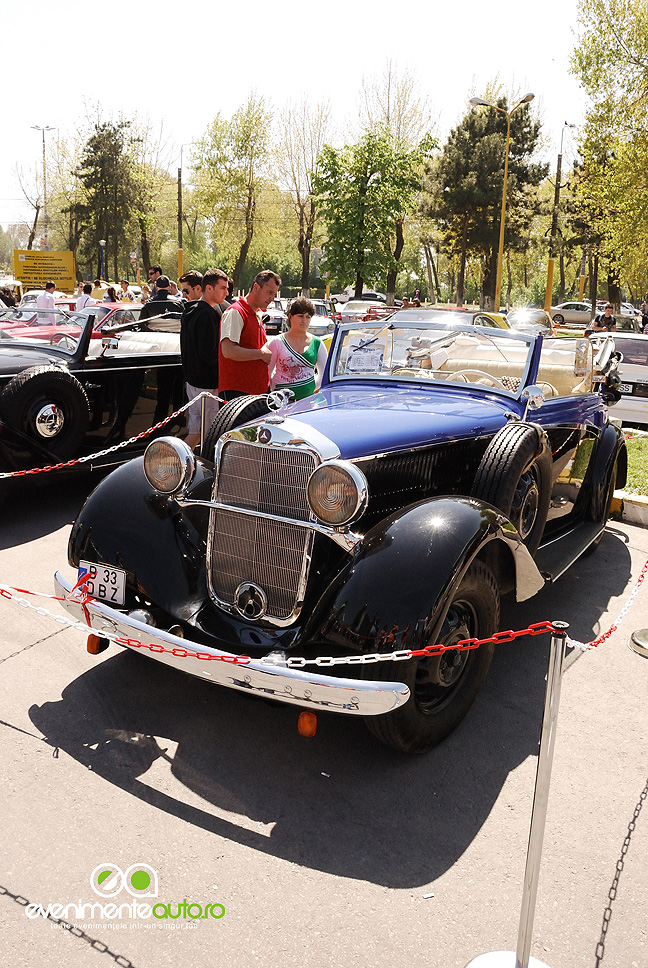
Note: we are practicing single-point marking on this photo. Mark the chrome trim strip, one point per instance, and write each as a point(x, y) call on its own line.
point(345, 539)
point(354, 697)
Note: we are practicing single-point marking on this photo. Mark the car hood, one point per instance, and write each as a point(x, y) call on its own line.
point(364, 420)
point(15, 357)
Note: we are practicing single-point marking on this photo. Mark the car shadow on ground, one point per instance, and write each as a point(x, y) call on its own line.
point(340, 802)
point(35, 506)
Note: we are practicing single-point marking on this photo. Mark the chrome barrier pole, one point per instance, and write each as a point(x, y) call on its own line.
point(203, 407)
point(520, 958)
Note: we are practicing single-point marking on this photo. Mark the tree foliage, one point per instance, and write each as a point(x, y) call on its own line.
point(364, 190)
point(464, 187)
point(230, 168)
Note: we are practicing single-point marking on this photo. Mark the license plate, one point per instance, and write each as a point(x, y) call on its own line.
point(106, 584)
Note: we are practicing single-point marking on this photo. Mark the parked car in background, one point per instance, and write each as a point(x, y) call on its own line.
point(357, 309)
point(29, 298)
point(52, 325)
point(451, 317)
point(274, 320)
point(632, 408)
point(82, 395)
point(571, 313)
point(435, 471)
point(529, 320)
point(323, 322)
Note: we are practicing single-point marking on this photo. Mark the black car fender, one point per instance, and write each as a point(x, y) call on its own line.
point(611, 447)
point(407, 566)
point(127, 524)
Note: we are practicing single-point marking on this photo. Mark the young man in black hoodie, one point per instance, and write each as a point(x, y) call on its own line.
point(199, 339)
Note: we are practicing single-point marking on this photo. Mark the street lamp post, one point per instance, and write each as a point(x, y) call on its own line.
point(37, 127)
point(554, 224)
point(180, 253)
point(475, 101)
point(102, 243)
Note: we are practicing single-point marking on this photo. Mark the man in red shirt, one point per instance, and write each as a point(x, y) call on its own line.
point(244, 356)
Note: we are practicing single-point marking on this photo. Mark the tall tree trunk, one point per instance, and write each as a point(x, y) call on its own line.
point(614, 287)
point(433, 278)
point(247, 241)
point(462, 264)
point(509, 282)
point(32, 233)
point(146, 248)
point(593, 274)
point(490, 282)
point(561, 289)
point(392, 275)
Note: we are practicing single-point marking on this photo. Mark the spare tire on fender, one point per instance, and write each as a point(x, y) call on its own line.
point(515, 476)
point(234, 414)
point(49, 406)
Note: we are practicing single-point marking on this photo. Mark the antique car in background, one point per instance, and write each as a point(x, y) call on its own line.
point(83, 394)
point(436, 470)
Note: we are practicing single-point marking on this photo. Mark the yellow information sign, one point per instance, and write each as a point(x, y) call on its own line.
point(35, 268)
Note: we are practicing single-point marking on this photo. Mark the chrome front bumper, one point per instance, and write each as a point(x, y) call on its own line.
point(356, 697)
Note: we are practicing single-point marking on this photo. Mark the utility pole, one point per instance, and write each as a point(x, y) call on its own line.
point(36, 127)
point(554, 224)
point(180, 260)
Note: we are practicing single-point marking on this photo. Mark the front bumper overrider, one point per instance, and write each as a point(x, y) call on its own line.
point(308, 690)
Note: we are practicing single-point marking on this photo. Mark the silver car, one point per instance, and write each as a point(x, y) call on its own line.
point(572, 312)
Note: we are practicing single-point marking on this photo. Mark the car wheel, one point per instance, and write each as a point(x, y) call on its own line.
point(558, 318)
point(49, 406)
point(600, 511)
point(442, 687)
point(233, 414)
point(515, 476)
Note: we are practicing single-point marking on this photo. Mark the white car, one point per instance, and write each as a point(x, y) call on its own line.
point(632, 408)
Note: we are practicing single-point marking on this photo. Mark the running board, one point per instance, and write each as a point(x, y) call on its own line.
point(555, 557)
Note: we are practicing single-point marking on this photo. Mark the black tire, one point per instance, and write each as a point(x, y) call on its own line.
point(600, 510)
point(234, 414)
point(26, 399)
point(558, 319)
point(442, 688)
point(515, 476)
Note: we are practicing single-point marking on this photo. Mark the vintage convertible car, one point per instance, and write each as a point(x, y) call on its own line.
point(436, 470)
point(83, 395)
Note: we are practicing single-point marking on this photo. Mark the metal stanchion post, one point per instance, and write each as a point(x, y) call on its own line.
point(203, 405)
point(520, 958)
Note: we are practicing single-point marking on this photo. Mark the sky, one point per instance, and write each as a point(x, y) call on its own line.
point(179, 65)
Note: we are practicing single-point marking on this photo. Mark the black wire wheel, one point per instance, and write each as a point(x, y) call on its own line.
point(442, 687)
point(234, 414)
point(49, 406)
point(515, 476)
point(599, 511)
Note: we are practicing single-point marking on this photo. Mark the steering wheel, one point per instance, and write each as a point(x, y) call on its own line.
point(64, 340)
point(463, 374)
point(544, 386)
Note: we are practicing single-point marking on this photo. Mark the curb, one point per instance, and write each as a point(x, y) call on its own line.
point(632, 508)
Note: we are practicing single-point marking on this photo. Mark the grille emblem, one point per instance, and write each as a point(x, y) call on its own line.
point(251, 600)
point(264, 436)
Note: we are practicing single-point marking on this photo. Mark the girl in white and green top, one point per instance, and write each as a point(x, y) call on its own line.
point(298, 358)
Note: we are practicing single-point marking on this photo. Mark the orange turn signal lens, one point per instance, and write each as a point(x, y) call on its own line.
point(307, 724)
point(96, 644)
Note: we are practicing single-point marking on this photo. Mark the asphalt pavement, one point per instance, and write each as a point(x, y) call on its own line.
point(331, 851)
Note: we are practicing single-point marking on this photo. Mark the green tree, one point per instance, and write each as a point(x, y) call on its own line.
point(611, 61)
point(110, 190)
point(463, 189)
point(230, 168)
point(364, 190)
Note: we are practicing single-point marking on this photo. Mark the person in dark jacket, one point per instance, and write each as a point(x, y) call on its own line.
point(199, 339)
point(162, 302)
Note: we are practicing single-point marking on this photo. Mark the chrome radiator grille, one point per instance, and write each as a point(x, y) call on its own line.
point(251, 548)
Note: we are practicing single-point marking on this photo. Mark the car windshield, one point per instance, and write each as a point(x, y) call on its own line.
point(18, 318)
point(99, 313)
point(430, 352)
point(633, 350)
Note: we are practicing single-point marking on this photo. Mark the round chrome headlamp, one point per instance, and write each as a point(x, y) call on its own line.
point(337, 493)
point(168, 464)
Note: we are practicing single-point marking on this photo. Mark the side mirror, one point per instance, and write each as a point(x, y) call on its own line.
point(533, 397)
point(110, 343)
